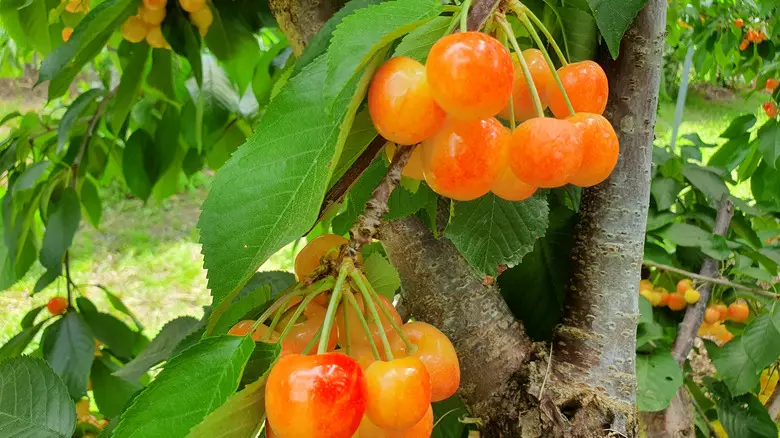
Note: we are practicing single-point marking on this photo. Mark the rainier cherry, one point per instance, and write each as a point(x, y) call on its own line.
point(134, 29)
point(772, 84)
point(508, 186)
point(400, 102)
point(722, 311)
point(546, 152)
point(423, 429)
point(738, 311)
point(586, 85)
point(711, 315)
point(464, 158)
point(241, 328)
point(739, 23)
point(521, 94)
point(57, 305)
point(692, 296)
point(684, 285)
point(309, 258)
point(305, 328)
point(676, 302)
point(414, 167)
point(316, 396)
point(435, 350)
point(600, 149)
point(399, 393)
point(470, 75)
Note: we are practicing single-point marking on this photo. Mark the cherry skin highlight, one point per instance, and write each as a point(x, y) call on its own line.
point(600, 149)
point(545, 152)
point(463, 159)
point(521, 94)
point(438, 355)
point(400, 102)
point(323, 396)
point(470, 75)
point(414, 167)
point(399, 393)
point(586, 85)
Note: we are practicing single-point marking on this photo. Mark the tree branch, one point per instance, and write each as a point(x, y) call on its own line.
point(88, 135)
point(773, 404)
point(714, 280)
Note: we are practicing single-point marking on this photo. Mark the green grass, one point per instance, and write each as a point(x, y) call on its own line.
point(149, 255)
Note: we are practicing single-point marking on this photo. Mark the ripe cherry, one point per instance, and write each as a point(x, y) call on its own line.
point(305, 328)
point(356, 334)
point(676, 302)
point(323, 395)
point(546, 152)
point(508, 186)
point(711, 315)
point(586, 85)
point(66, 33)
point(309, 258)
point(470, 75)
point(155, 38)
point(645, 284)
point(400, 102)
point(664, 296)
point(770, 109)
point(189, 5)
point(684, 285)
point(600, 149)
point(521, 94)
point(202, 18)
point(414, 167)
point(744, 45)
point(436, 351)
point(772, 84)
point(155, 4)
point(692, 296)
point(134, 29)
point(463, 159)
point(739, 23)
point(722, 311)
point(423, 429)
point(152, 17)
point(738, 311)
point(399, 393)
point(77, 6)
point(241, 328)
point(57, 305)
point(269, 431)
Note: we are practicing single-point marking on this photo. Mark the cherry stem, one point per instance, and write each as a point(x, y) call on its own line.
point(521, 9)
point(312, 341)
point(281, 311)
point(513, 122)
point(371, 305)
point(524, 65)
point(410, 346)
point(464, 15)
point(353, 302)
point(347, 340)
point(335, 298)
point(293, 290)
point(301, 307)
point(535, 36)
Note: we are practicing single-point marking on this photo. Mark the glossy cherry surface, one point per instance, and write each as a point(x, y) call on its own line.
point(399, 393)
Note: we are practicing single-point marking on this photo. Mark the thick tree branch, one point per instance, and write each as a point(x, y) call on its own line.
point(714, 280)
point(773, 404)
point(300, 20)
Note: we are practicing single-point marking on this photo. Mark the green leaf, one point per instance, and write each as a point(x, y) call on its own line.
point(27, 23)
point(743, 415)
point(490, 231)
point(382, 275)
point(139, 164)
point(764, 184)
point(119, 305)
point(16, 345)
point(535, 289)
point(580, 33)
point(739, 126)
point(761, 339)
point(418, 42)
point(130, 84)
point(160, 349)
point(160, 76)
point(33, 401)
point(90, 199)
point(658, 379)
point(112, 332)
point(734, 366)
point(111, 392)
point(29, 178)
point(73, 113)
point(446, 418)
point(665, 191)
point(265, 197)
point(613, 18)
point(62, 226)
point(362, 34)
point(769, 142)
point(260, 362)
point(88, 39)
point(242, 415)
point(69, 347)
point(241, 306)
point(706, 182)
point(184, 40)
point(192, 385)
point(732, 153)
point(29, 318)
point(360, 136)
point(685, 235)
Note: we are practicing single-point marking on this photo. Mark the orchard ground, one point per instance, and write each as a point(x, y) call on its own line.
point(150, 257)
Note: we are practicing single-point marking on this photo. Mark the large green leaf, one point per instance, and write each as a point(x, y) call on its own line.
point(764, 184)
point(270, 191)
point(739, 126)
point(113, 332)
point(73, 113)
point(62, 226)
point(382, 275)
point(658, 378)
point(89, 37)
point(90, 199)
point(69, 347)
point(260, 362)
point(133, 68)
point(490, 231)
point(160, 76)
point(111, 392)
point(16, 345)
point(613, 18)
point(707, 182)
point(184, 39)
point(743, 416)
point(685, 235)
point(665, 191)
point(732, 153)
point(33, 401)
point(160, 349)
point(27, 23)
point(363, 33)
point(192, 385)
point(769, 142)
point(241, 306)
point(139, 164)
point(242, 415)
point(580, 33)
point(418, 42)
point(446, 418)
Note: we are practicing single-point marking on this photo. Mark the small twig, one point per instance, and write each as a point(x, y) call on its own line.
point(68, 280)
point(694, 315)
point(88, 135)
point(367, 224)
point(701, 412)
point(713, 280)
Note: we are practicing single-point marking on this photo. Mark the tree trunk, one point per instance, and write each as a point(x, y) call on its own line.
point(505, 378)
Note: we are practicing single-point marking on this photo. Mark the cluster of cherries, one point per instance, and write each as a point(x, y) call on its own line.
point(752, 36)
point(353, 389)
point(676, 300)
point(448, 105)
point(146, 24)
point(770, 108)
point(74, 7)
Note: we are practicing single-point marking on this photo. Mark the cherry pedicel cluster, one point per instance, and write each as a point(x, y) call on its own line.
point(372, 376)
point(447, 108)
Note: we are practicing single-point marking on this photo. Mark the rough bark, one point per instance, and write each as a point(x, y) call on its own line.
point(300, 20)
point(773, 404)
point(595, 344)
